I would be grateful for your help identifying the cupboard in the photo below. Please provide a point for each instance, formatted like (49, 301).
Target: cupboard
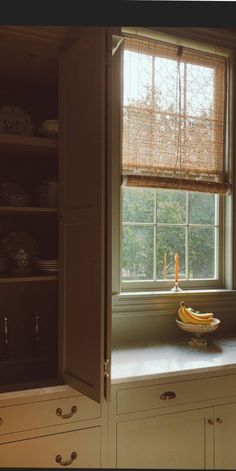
(188, 424)
(55, 325)
(173, 423)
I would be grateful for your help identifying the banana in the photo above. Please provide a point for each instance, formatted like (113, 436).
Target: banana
(190, 316)
(205, 315)
(181, 313)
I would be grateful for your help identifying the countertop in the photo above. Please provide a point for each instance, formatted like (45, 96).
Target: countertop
(171, 358)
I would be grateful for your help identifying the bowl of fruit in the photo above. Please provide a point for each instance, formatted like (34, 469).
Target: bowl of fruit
(196, 323)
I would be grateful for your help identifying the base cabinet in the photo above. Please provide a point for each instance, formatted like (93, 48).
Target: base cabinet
(51, 428)
(136, 429)
(176, 441)
(225, 432)
(76, 449)
(187, 424)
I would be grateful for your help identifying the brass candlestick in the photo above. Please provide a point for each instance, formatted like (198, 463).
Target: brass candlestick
(176, 287)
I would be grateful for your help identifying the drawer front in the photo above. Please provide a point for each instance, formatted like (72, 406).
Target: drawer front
(47, 413)
(78, 449)
(165, 395)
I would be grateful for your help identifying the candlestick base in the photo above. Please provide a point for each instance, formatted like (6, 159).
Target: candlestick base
(176, 287)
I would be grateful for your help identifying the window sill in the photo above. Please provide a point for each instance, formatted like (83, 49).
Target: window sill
(162, 302)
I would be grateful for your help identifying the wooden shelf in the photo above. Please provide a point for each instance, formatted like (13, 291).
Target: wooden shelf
(27, 210)
(27, 144)
(33, 359)
(20, 279)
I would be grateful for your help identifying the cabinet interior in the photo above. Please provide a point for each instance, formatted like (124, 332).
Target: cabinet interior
(29, 302)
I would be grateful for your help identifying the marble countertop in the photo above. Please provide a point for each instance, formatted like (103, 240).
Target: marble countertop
(169, 359)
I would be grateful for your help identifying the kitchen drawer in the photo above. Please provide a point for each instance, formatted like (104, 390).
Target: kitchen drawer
(165, 395)
(47, 413)
(77, 449)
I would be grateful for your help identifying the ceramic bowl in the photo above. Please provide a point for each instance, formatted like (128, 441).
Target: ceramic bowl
(197, 330)
(50, 128)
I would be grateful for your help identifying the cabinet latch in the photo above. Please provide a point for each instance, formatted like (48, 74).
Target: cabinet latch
(107, 368)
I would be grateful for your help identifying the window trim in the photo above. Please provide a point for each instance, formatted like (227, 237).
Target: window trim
(227, 278)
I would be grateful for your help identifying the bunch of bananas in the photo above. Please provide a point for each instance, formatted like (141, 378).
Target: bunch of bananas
(193, 317)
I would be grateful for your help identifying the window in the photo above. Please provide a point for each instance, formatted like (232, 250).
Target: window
(175, 171)
(158, 223)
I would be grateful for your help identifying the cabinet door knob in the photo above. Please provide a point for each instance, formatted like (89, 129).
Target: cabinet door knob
(211, 421)
(168, 395)
(66, 416)
(59, 459)
(219, 420)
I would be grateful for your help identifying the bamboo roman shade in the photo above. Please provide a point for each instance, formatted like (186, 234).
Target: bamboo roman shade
(173, 117)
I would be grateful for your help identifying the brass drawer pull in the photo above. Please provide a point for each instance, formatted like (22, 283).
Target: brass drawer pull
(219, 420)
(66, 416)
(73, 457)
(210, 421)
(168, 395)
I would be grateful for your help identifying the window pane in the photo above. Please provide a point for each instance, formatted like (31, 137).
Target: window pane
(171, 206)
(200, 90)
(137, 253)
(170, 240)
(201, 208)
(166, 71)
(201, 252)
(137, 77)
(138, 204)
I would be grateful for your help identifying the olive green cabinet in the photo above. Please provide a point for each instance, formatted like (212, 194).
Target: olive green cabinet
(172, 441)
(224, 434)
(182, 424)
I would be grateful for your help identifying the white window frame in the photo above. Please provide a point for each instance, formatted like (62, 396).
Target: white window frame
(225, 280)
(183, 283)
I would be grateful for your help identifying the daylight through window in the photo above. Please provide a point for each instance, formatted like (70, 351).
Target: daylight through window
(174, 171)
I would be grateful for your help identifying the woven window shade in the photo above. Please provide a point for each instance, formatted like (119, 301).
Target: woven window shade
(173, 117)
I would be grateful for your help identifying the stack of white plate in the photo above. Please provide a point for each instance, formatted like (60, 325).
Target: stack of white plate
(48, 266)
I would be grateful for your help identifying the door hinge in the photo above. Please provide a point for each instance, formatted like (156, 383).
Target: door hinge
(107, 367)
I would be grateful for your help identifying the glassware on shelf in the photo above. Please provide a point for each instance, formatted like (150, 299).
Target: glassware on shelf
(48, 194)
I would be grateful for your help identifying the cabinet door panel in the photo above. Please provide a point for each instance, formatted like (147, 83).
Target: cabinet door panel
(84, 224)
(225, 432)
(174, 441)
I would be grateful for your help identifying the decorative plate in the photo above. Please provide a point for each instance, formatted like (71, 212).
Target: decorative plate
(21, 250)
(14, 120)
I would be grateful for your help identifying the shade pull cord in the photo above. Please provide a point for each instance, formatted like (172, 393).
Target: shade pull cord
(178, 93)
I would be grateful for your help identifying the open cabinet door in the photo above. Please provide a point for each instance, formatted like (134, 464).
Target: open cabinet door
(84, 220)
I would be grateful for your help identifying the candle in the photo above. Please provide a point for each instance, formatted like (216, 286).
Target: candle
(176, 268)
(164, 271)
